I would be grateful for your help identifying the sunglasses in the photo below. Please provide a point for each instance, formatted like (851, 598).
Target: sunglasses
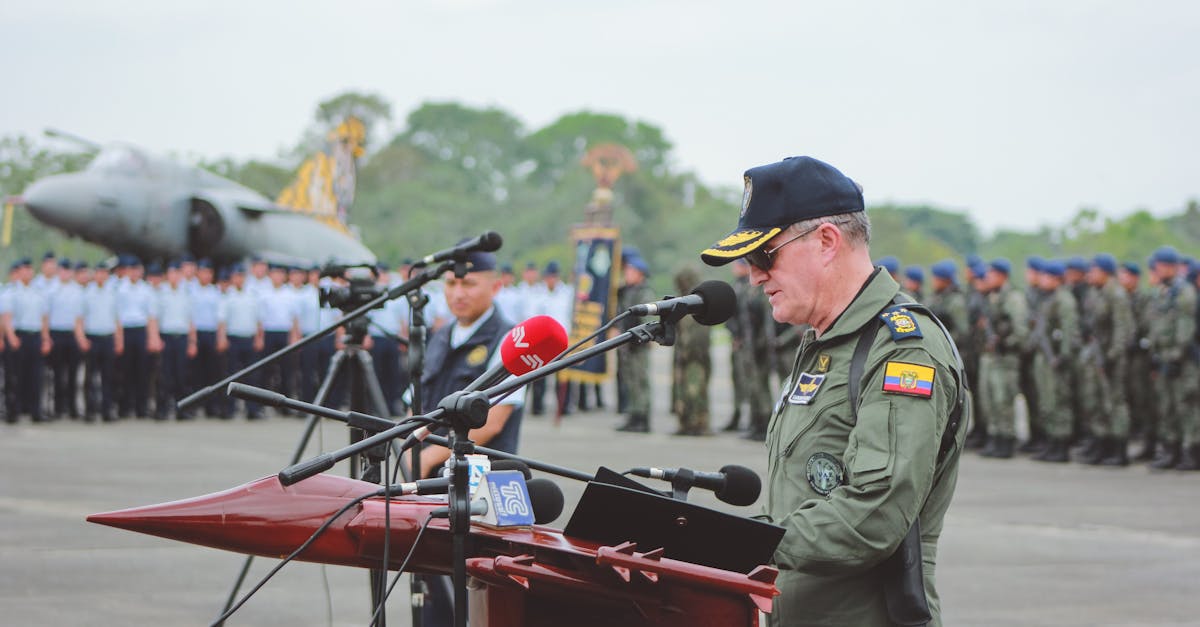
(765, 259)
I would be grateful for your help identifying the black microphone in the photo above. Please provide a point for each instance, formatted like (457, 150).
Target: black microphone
(441, 485)
(544, 495)
(486, 243)
(733, 484)
(711, 302)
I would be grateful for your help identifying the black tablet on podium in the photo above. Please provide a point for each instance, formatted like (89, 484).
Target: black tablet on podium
(612, 514)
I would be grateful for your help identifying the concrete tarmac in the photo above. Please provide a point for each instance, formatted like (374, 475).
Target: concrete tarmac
(1024, 544)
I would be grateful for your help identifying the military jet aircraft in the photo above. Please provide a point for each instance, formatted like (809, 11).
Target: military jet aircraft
(130, 201)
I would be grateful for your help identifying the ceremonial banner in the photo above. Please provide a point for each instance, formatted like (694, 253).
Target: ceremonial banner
(597, 274)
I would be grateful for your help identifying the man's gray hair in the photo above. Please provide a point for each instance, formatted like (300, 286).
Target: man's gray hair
(855, 226)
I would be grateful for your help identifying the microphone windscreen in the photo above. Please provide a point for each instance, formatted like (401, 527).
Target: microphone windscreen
(742, 485)
(546, 498)
(719, 302)
(512, 464)
(490, 242)
(532, 344)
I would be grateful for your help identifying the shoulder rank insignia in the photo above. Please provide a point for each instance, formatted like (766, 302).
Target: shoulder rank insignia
(901, 323)
(904, 378)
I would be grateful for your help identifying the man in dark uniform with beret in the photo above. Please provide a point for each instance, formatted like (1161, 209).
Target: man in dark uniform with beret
(864, 441)
(457, 353)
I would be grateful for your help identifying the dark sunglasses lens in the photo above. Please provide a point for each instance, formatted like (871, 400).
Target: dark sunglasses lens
(759, 259)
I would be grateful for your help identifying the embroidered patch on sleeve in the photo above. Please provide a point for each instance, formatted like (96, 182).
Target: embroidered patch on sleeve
(900, 322)
(911, 379)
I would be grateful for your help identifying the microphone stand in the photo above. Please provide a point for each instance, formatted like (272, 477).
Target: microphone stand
(417, 299)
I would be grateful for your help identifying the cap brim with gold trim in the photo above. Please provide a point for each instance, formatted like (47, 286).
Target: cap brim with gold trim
(780, 194)
(738, 244)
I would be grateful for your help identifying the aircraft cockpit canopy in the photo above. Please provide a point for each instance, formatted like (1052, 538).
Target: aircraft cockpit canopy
(122, 161)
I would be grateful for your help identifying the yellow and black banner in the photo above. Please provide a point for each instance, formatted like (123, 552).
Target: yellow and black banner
(597, 276)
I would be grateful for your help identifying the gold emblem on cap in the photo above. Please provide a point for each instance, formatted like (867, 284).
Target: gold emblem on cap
(477, 356)
(740, 237)
(749, 191)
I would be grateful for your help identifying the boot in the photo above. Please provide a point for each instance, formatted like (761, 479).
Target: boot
(1000, 447)
(1147, 452)
(1168, 456)
(1102, 449)
(977, 439)
(637, 423)
(1190, 459)
(1034, 445)
(1117, 455)
(1088, 449)
(734, 421)
(1056, 452)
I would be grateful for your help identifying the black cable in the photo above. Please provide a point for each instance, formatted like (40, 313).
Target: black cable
(316, 534)
(387, 533)
(403, 565)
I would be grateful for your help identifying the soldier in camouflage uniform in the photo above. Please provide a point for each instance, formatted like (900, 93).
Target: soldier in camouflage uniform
(692, 366)
(633, 360)
(948, 302)
(752, 331)
(1105, 364)
(1056, 338)
(972, 349)
(1172, 333)
(1005, 328)
(1139, 386)
(1077, 268)
(1026, 380)
(913, 283)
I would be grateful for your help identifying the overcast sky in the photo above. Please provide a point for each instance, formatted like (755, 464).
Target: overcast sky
(1016, 111)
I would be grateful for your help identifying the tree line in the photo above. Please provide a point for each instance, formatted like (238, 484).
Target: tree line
(455, 170)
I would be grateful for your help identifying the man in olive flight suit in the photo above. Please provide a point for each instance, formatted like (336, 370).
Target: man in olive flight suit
(849, 481)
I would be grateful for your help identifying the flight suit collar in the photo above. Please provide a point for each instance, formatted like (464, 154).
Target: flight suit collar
(876, 294)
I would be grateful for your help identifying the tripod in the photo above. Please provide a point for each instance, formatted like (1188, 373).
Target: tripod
(366, 396)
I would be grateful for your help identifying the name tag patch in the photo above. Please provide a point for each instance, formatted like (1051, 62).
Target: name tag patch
(910, 379)
(806, 388)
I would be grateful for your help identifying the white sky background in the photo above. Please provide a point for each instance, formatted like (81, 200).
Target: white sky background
(1016, 111)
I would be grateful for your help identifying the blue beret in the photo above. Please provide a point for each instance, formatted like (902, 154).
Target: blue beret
(1193, 270)
(1132, 267)
(48, 255)
(978, 268)
(1166, 254)
(1034, 262)
(1054, 268)
(945, 269)
(506, 268)
(631, 257)
(204, 263)
(64, 262)
(81, 265)
(1078, 263)
(973, 260)
(237, 268)
(187, 258)
(890, 263)
(779, 194)
(915, 273)
(1000, 264)
(1105, 262)
(551, 268)
(154, 269)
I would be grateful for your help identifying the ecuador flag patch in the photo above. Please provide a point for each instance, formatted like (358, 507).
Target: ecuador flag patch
(911, 379)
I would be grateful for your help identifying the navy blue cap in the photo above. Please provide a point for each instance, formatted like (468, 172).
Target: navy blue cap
(531, 265)
(973, 260)
(204, 263)
(224, 274)
(49, 254)
(407, 261)
(382, 267)
(1193, 270)
(64, 262)
(551, 268)
(1034, 262)
(174, 264)
(1166, 254)
(1078, 263)
(632, 257)
(1053, 267)
(1000, 264)
(945, 269)
(256, 259)
(133, 261)
(187, 258)
(890, 263)
(237, 268)
(1132, 267)
(14, 265)
(81, 265)
(1105, 262)
(779, 194)
(154, 269)
(506, 268)
(914, 273)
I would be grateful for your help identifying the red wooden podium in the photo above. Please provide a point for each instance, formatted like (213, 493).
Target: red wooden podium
(525, 576)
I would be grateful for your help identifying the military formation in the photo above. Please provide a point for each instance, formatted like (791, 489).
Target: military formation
(1105, 354)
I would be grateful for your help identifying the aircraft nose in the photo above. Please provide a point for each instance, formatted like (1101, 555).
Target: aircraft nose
(59, 201)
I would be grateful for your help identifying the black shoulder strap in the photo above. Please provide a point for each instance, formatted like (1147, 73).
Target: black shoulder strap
(858, 363)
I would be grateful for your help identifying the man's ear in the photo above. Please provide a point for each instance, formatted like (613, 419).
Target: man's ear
(831, 241)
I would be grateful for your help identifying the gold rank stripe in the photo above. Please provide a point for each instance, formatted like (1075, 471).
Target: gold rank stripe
(754, 242)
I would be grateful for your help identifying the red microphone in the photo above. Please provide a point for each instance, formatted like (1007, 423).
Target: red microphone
(532, 344)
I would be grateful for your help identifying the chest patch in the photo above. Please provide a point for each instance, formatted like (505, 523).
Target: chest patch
(910, 379)
(806, 388)
(825, 473)
(477, 356)
(900, 322)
